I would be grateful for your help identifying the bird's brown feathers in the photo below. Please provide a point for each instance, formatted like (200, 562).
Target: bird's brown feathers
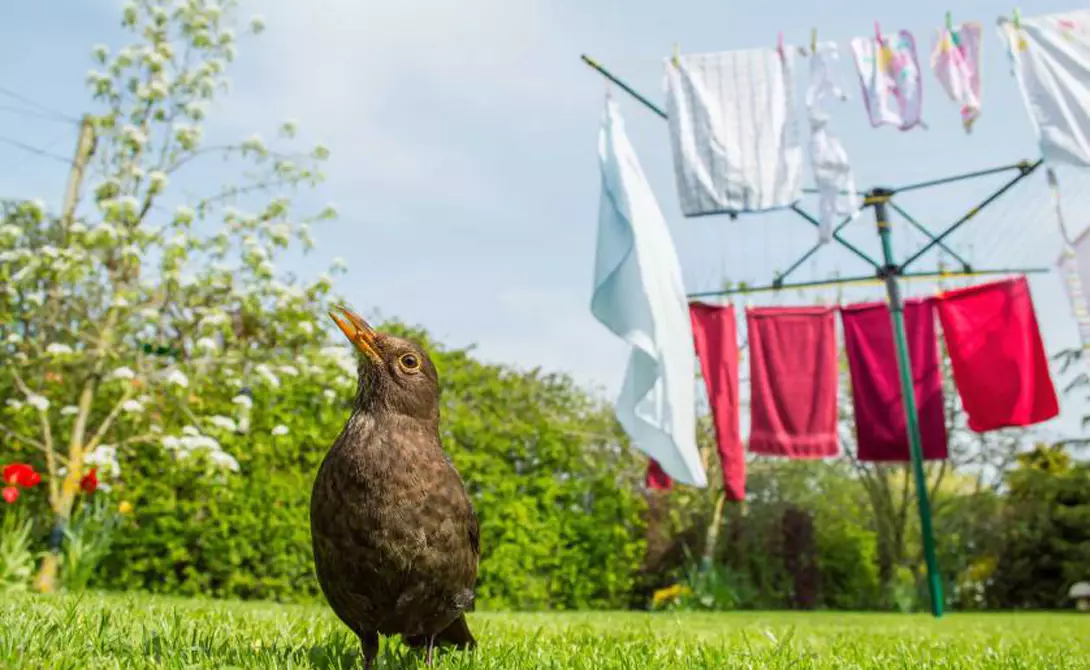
(396, 540)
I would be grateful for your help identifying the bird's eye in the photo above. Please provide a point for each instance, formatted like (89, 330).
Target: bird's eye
(409, 361)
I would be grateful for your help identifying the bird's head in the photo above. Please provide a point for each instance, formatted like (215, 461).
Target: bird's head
(394, 374)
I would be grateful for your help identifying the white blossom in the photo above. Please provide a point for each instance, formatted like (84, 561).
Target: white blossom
(57, 349)
(207, 344)
(289, 370)
(307, 327)
(134, 135)
(224, 460)
(41, 403)
(14, 404)
(280, 430)
(123, 373)
(178, 378)
(329, 394)
(223, 422)
(104, 457)
(243, 400)
(338, 265)
(132, 406)
(157, 181)
(69, 410)
(268, 375)
(257, 23)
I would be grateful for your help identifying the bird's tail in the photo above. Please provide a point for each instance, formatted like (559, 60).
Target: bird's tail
(456, 634)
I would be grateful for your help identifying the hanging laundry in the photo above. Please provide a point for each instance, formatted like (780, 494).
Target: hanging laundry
(955, 60)
(997, 355)
(793, 375)
(656, 479)
(1074, 270)
(716, 336)
(880, 426)
(1051, 58)
(829, 161)
(734, 131)
(889, 73)
(638, 295)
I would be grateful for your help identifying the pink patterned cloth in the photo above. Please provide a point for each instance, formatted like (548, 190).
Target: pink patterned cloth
(889, 73)
(955, 60)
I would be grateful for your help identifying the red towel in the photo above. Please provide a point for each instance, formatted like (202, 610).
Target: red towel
(793, 377)
(716, 338)
(657, 479)
(876, 388)
(999, 361)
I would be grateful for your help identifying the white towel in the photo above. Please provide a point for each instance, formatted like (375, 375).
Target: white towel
(734, 131)
(1074, 268)
(638, 294)
(828, 159)
(1051, 57)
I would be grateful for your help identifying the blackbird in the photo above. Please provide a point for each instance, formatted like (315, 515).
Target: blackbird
(396, 540)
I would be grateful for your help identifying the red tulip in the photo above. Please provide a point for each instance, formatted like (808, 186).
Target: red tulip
(21, 474)
(89, 483)
(10, 494)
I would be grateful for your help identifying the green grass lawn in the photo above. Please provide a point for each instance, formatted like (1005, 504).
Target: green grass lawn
(95, 631)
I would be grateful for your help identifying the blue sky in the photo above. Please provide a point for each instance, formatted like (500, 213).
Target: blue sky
(464, 162)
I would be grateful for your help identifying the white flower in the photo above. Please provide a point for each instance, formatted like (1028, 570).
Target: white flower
(243, 400)
(104, 457)
(178, 378)
(267, 374)
(56, 349)
(307, 327)
(184, 214)
(289, 370)
(191, 431)
(132, 406)
(13, 403)
(257, 23)
(224, 423)
(69, 410)
(214, 319)
(123, 373)
(170, 442)
(157, 181)
(280, 430)
(254, 143)
(38, 402)
(134, 135)
(207, 344)
(223, 460)
(329, 394)
(14, 338)
(10, 232)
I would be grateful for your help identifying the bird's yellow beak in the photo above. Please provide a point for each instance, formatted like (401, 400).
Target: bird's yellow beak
(361, 335)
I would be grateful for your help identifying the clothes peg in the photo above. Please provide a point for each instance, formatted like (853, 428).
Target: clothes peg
(779, 45)
(878, 33)
(1017, 19)
(949, 22)
(677, 55)
(813, 41)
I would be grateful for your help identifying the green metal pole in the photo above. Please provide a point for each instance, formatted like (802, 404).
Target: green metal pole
(879, 198)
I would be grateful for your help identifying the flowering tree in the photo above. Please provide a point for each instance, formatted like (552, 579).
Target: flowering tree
(112, 321)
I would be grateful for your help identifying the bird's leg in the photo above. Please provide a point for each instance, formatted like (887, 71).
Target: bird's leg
(431, 649)
(369, 642)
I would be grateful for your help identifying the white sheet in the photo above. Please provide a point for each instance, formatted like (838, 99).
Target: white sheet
(734, 133)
